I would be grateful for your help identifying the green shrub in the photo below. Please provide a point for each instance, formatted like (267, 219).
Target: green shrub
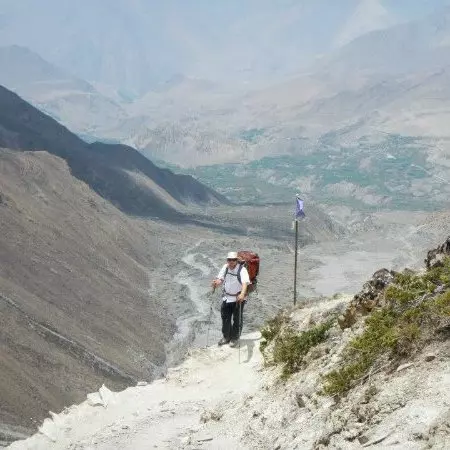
(396, 330)
(442, 305)
(439, 275)
(291, 347)
(398, 294)
(409, 318)
(408, 286)
(271, 330)
(340, 381)
(413, 282)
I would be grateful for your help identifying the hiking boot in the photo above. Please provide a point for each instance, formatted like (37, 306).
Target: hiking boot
(223, 341)
(234, 343)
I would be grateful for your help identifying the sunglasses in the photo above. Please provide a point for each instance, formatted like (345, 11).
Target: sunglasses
(231, 259)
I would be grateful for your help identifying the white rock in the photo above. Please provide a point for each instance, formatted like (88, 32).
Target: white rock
(94, 399)
(404, 366)
(106, 395)
(56, 418)
(49, 429)
(204, 439)
(186, 440)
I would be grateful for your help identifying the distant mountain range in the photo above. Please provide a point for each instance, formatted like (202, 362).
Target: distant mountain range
(391, 78)
(390, 81)
(382, 78)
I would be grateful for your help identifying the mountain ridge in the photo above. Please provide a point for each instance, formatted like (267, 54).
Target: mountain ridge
(99, 165)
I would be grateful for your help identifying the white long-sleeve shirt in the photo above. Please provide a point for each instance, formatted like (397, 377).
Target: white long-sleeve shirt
(230, 282)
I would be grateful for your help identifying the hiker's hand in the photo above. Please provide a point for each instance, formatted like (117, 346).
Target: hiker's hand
(240, 298)
(216, 283)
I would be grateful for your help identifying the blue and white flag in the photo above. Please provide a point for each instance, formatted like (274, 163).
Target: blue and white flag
(299, 213)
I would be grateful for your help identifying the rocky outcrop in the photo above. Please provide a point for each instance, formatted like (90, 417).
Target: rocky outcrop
(372, 292)
(368, 298)
(436, 256)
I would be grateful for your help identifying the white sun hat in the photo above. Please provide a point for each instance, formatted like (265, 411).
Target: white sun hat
(232, 255)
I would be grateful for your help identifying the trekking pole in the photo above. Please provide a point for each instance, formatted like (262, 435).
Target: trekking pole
(210, 315)
(240, 329)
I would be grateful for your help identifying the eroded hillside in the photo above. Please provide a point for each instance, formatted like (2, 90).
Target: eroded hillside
(74, 299)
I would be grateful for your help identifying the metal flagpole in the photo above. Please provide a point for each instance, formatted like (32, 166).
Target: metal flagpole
(298, 214)
(295, 263)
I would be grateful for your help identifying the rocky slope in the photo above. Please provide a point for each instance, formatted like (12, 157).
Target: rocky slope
(355, 385)
(74, 280)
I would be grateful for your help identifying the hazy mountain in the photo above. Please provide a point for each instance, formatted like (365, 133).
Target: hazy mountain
(392, 55)
(367, 126)
(369, 82)
(375, 80)
(70, 100)
(133, 45)
(368, 15)
(416, 46)
(22, 67)
(118, 173)
(392, 80)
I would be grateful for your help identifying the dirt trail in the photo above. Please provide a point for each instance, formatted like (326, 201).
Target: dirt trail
(182, 410)
(165, 414)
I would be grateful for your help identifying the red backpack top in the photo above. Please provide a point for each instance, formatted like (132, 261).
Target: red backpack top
(250, 261)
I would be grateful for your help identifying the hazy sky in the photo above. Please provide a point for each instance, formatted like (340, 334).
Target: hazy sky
(132, 44)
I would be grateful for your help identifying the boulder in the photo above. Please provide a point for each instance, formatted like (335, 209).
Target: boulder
(368, 298)
(436, 256)
(348, 318)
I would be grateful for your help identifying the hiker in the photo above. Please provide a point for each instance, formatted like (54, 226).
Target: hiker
(235, 280)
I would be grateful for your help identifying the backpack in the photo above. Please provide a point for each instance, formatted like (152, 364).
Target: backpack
(250, 261)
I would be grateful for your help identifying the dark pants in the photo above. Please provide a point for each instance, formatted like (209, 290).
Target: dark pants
(235, 311)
